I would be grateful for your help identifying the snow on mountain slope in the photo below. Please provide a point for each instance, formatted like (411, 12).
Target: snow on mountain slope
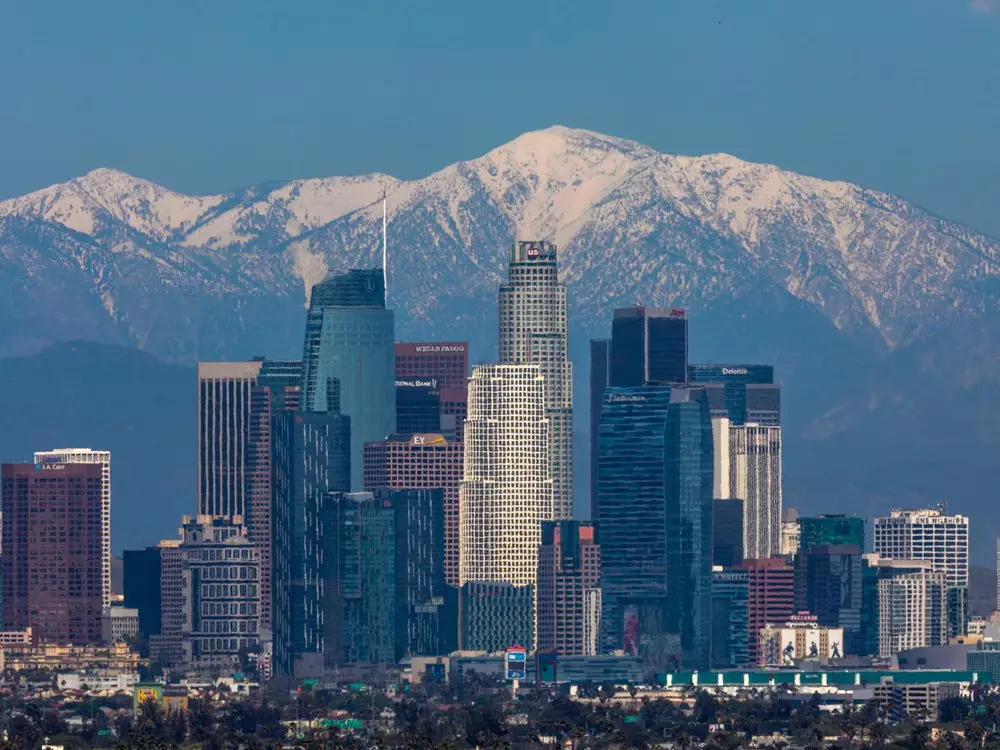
(632, 224)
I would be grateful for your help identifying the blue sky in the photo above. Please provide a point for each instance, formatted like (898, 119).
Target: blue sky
(901, 95)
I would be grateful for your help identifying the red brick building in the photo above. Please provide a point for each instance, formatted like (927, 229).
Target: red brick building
(569, 597)
(445, 361)
(52, 553)
(419, 462)
(771, 597)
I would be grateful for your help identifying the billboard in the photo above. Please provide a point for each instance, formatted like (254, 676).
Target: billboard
(812, 644)
(516, 662)
(787, 643)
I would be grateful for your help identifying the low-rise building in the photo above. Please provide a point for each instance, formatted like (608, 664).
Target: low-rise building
(97, 682)
(920, 703)
(119, 624)
(68, 657)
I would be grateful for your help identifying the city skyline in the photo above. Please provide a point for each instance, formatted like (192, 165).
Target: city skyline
(677, 426)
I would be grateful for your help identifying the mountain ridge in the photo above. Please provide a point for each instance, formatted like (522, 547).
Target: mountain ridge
(112, 257)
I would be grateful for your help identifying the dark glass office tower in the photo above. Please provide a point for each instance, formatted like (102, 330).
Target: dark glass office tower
(141, 583)
(311, 459)
(418, 406)
(689, 480)
(831, 530)
(655, 515)
(426, 617)
(746, 394)
(648, 345)
(360, 604)
(349, 337)
(727, 533)
(600, 361)
(730, 618)
(828, 583)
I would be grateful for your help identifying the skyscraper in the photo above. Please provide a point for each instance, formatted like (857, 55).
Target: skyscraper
(141, 583)
(103, 458)
(52, 549)
(569, 595)
(311, 460)
(730, 613)
(600, 363)
(831, 529)
(727, 533)
(220, 574)
(444, 361)
(167, 646)
(360, 559)
(743, 394)
(533, 331)
(506, 489)
(828, 583)
(447, 363)
(418, 406)
(421, 462)
(277, 388)
(912, 605)
(770, 597)
(224, 402)
(349, 337)
(426, 614)
(929, 534)
(649, 346)
(655, 518)
(748, 467)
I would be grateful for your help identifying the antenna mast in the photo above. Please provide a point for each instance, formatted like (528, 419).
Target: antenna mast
(385, 269)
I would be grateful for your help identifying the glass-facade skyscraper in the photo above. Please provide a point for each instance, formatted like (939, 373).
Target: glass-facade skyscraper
(360, 606)
(349, 337)
(831, 530)
(311, 459)
(727, 532)
(741, 393)
(828, 583)
(654, 511)
(600, 353)
(648, 345)
(730, 618)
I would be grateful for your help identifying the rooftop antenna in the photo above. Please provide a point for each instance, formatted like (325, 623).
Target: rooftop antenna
(385, 269)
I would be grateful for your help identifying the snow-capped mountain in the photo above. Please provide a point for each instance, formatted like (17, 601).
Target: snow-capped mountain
(771, 264)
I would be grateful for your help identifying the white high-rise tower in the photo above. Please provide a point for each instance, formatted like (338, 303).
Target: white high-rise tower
(506, 489)
(748, 467)
(505, 494)
(533, 330)
(88, 456)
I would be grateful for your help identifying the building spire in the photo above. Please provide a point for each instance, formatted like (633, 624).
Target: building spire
(385, 265)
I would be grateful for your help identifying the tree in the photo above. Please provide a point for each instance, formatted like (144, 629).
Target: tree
(175, 727)
(52, 724)
(23, 732)
(920, 737)
(199, 718)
